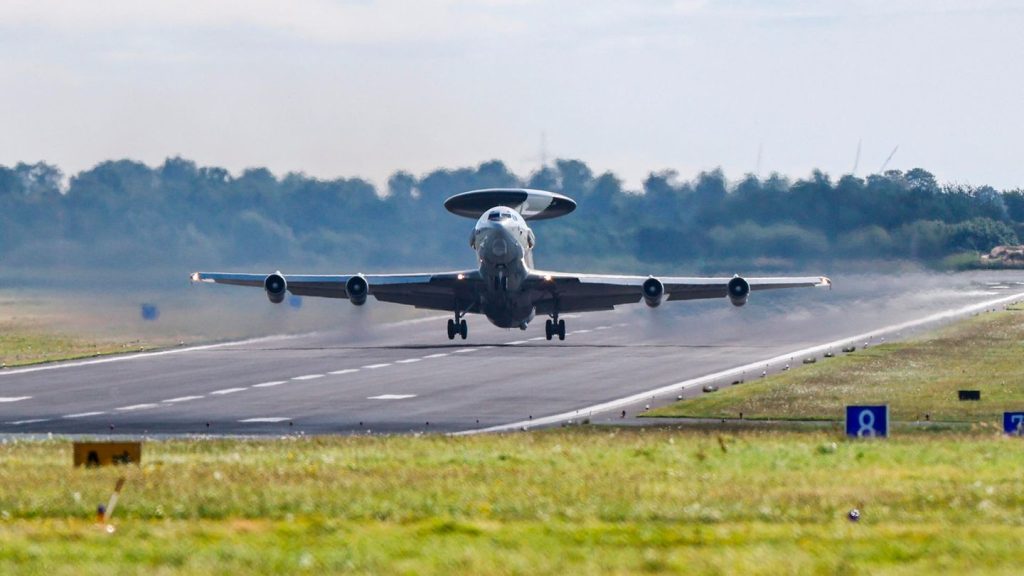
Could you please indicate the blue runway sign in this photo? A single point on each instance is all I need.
(867, 421)
(1013, 423)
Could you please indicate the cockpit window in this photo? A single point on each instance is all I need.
(498, 215)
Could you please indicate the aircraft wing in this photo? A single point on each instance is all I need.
(587, 292)
(440, 291)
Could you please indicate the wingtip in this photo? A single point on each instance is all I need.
(195, 277)
(826, 281)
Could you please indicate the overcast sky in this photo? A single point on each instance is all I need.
(364, 88)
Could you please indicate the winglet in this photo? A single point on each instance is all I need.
(826, 281)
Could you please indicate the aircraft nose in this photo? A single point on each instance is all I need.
(499, 247)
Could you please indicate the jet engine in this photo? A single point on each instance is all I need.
(357, 288)
(654, 292)
(739, 289)
(276, 286)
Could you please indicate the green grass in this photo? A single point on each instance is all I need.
(20, 345)
(915, 378)
(586, 500)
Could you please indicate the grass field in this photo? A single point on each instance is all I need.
(918, 379)
(582, 500)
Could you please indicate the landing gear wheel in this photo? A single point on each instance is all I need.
(451, 329)
(549, 329)
(561, 329)
(463, 329)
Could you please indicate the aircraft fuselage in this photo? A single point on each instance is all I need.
(504, 247)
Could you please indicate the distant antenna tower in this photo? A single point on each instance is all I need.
(856, 160)
(886, 163)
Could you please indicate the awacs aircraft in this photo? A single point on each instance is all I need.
(506, 288)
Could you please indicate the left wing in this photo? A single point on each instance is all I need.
(442, 291)
(567, 292)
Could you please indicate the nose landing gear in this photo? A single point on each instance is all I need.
(553, 327)
(457, 326)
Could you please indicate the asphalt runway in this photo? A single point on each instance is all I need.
(407, 377)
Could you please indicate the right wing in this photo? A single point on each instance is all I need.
(568, 292)
(442, 291)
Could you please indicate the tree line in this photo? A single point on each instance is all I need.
(123, 214)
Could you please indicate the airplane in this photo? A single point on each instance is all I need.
(505, 287)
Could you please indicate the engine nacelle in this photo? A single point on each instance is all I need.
(654, 292)
(276, 287)
(739, 289)
(357, 288)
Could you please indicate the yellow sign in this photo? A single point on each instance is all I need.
(91, 454)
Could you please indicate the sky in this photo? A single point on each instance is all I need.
(364, 88)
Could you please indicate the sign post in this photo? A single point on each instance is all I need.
(1013, 423)
(867, 421)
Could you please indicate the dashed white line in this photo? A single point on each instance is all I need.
(408, 360)
(375, 366)
(391, 397)
(602, 328)
(13, 398)
(584, 331)
(268, 384)
(181, 399)
(538, 338)
(516, 342)
(84, 414)
(308, 377)
(266, 419)
(345, 371)
(136, 407)
(31, 421)
(464, 350)
(227, 391)
(438, 355)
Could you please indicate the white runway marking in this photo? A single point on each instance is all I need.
(464, 350)
(538, 338)
(227, 391)
(84, 414)
(375, 366)
(602, 328)
(391, 397)
(268, 384)
(581, 331)
(32, 421)
(408, 360)
(13, 398)
(752, 367)
(266, 419)
(308, 377)
(516, 342)
(181, 399)
(345, 371)
(438, 355)
(136, 407)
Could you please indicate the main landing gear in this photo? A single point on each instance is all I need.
(554, 326)
(457, 326)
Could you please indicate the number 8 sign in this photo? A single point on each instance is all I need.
(867, 421)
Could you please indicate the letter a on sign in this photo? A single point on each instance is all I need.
(867, 421)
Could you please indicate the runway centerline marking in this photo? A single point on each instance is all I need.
(375, 366)
(438, 355)
(30, 421)
(308, 377)
(345, 371)
(517, 342)
(391, 397)
(584, 331)
(465, 350)
(538, 338)
(84, 414)
(13, 398)
(181, 399)
(136, 407)
(408, 360)
(602, 328)
(268, 384)
(227, 391)
(270, 419)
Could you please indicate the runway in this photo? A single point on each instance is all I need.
(407, 377)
